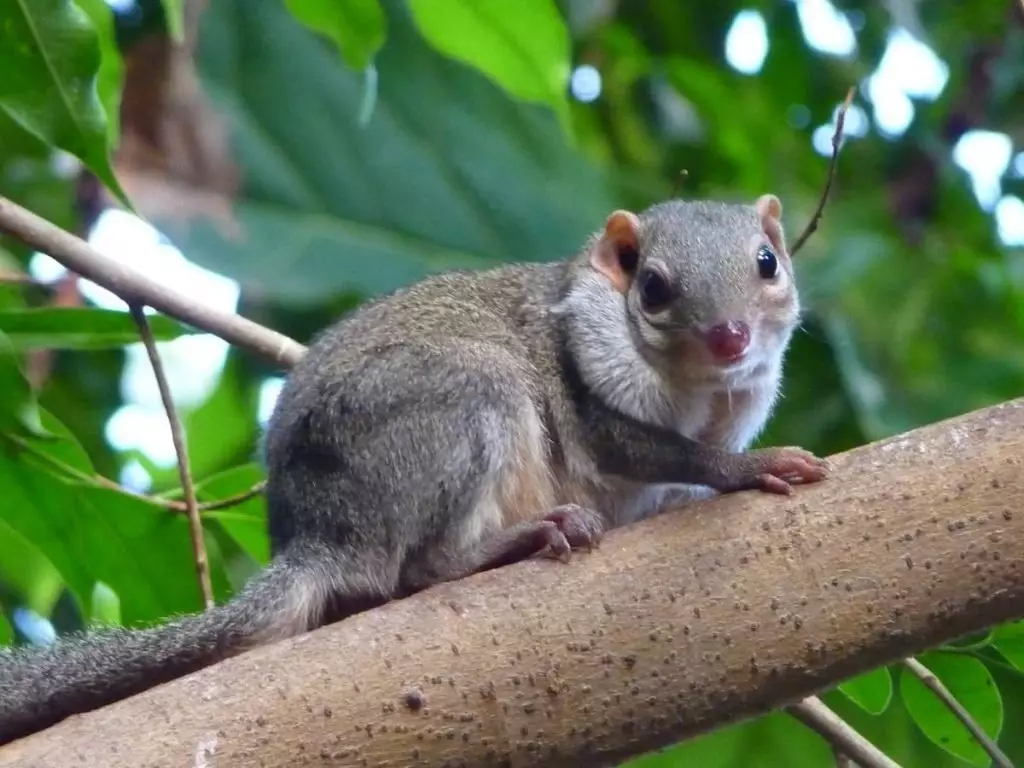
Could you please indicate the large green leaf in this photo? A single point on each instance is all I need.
(50, 57)
(524, 47)
(871, 691)
(1008, 639)
(356, 27)
(110, 77)
(18, 408)
(6, 633)
(26, 576)
(245, 522)
(329, 205)
(106, 605)
(894, 732)
(81, 328)
(141, 551)
(773, 741)
(970, 683)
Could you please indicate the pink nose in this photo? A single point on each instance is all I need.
(728, 341)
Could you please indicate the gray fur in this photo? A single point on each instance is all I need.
(459, 424)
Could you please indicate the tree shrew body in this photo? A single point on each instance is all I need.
(476, 419)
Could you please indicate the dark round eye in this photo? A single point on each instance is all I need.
(767, 263)
(655, 291)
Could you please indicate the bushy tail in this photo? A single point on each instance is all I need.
(41, 686)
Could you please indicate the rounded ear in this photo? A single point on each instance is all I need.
(617, 251)
(770, 206)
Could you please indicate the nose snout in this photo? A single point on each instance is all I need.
(728, 341)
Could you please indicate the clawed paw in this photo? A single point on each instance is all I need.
(784, 466)
(569, 527)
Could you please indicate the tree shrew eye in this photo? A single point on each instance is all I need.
(767, 263)
(655, 292)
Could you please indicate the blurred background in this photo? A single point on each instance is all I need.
(287, 174)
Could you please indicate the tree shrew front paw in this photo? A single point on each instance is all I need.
(572, 527)
(781, 467)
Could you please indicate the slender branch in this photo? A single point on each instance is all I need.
(843, 760)
(837, 139)
(135, 287)
(816, 715)
(177, 435)
(229, 501)
(99, 481)
(926, 676)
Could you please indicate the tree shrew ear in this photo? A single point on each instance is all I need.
(769, 208)
(618, 251)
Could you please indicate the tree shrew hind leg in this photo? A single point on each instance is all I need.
(563, 529)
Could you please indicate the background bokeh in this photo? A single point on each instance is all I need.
(298, 173)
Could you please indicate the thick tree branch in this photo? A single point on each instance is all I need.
(677, 625)
(181, 450)
(134, 287)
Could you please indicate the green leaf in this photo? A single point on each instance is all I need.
(524, 47)
(6, 632)
(50, 58)
(894, 732)
(245, 522)
(106, 606)
(775, 740)
(970, 683)
(25, 572)
(18, 408)
(872, 691)
(140, 550)
(469, 177)
(110, 78)
(174, 17)
(356, 27)
(81, 328)
(1008, 639)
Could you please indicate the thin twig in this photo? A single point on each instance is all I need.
(926, 676)
(134, 287)
(837, 140)
(843, 760)
(211, 506)
(99, 481)
(177, 435)
(814, 713)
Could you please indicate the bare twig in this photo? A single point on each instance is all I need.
(134, 287)
(926, 676)
(177, 435)
(230, 501)
(843, 760)
(816, 715)
(837, 139)
(100, 481)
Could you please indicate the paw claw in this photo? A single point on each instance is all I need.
(786, 466)
(579, 527)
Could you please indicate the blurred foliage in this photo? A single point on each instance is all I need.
(377, 142)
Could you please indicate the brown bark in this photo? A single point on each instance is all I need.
(676, 625)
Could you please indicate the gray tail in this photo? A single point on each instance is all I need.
(41, 686)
